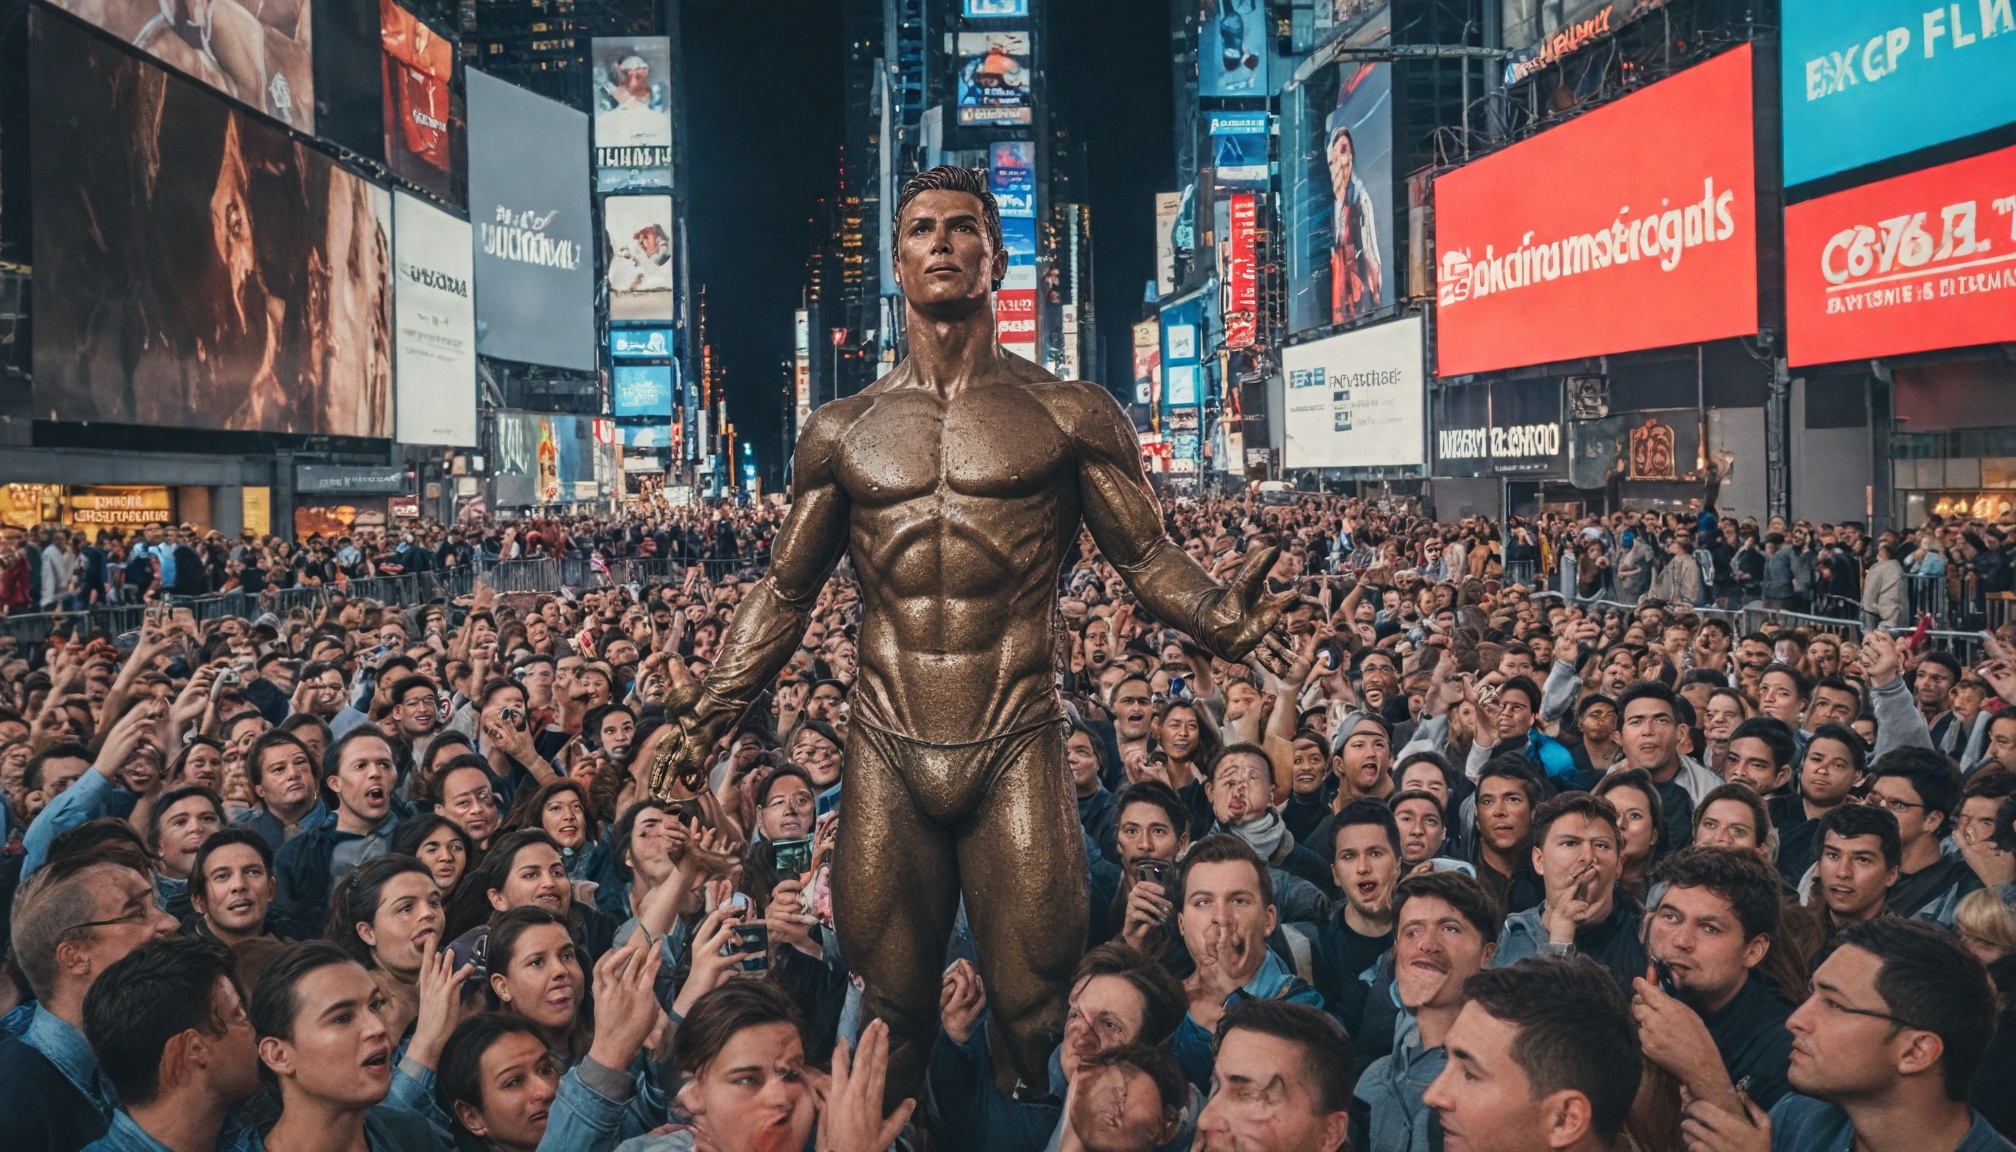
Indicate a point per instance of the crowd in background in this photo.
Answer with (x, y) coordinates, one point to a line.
(1534, 844)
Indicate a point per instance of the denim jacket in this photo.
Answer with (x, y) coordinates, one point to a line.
(1191, 1046)
(126, 1136)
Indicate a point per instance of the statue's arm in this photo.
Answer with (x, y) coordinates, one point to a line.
(1126, 522)
(773, 616)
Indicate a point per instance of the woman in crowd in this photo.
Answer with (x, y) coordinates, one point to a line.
(440, 844)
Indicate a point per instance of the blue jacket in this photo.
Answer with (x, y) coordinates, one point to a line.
(1387, 1112)
(92, 795)
(386, 1129)
(1191, 1046)
(54, 1100)
(270, 828)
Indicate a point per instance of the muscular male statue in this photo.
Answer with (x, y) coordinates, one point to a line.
(957, 482)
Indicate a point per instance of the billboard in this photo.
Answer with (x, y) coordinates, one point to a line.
(640, 343)
(1015, 320)
(1011, 177)
(543, 458)
(1242, 298)
(1542, 33)
(1232, 48)
(986, 8)
(196, 267)
(642, 389)
(1922, 261)
(257, 54)
(994, 78)
(1462, 426)
(1865, 80)
(1239, 148)
(1632, 226)
(1167, 206)
(633, 112)
(419, 66)
(1339, 193)
(528, 198)
(637, 247)
(1147, 360)
(1356, 400)
(434, 334)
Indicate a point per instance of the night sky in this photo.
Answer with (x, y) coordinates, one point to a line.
(763, 88)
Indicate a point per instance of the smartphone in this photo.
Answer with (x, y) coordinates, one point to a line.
(1160, 872)
(791, 857)
(1178, 687)
(754, 945)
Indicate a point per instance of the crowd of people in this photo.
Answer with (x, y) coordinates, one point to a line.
(1487, 867)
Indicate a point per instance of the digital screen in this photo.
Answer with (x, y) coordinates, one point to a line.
(1338, 187)
(528, 201)
(637, 233)
(1011, 177)
(633, 112)
(1239, 148)
(258, 54)
(986, 8)
(640, 343)
(643, 389)
(1922, 261)
(994, 78)
(1632, 226)
(434, 347)
(196, 267)
(1356, 400)
(419, 67)
(1541, 33)
(1232, 48)
(542, 458)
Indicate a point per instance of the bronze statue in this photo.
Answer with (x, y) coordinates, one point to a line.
(957, 483)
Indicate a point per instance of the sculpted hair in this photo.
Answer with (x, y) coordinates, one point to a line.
(948, 178)
(1575, 1032)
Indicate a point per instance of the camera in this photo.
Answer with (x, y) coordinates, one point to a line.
(229, 678)
(754, 945)
(791, 857)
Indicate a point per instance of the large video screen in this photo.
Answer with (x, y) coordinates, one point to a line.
(435, 340)
(528, 200)
(419, 67)
(633, 112)
(1633, 226)
(257, 53)
(642, 389)
(1864, 80)
(1232, 40)
(994, 78)
(1356, 400)
(1541, 33)
(542, 458)
(194, 266)
(1339, 192)
(637, 234)
(1910, 264)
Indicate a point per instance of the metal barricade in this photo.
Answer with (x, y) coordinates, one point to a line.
(1923, 594)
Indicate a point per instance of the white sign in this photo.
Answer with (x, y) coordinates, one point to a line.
(434, 345)
(1356, 400)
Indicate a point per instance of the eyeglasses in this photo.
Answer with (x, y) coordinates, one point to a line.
(1845, 1010)
(1895, 806)
(136, 915)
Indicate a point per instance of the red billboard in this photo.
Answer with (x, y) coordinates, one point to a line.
(1633, 226)
(1921, 261)
(1015, 320)
(418, 67)
(1242, 301)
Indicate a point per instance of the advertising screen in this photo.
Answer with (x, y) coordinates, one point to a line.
(1632, 226)
(637, 237)
(994, 78)
(1339, 193)
(640, 343)
(643, 389)
(1865, 80)
(1356, 400)
(1232, 48)
(1462, 426)
(1239, 148)
(1921, 261)
(1011, 177)
(633, 112)
(258, 54)
(195, 267)
(1242, 301)
(1167, 205)
(985, 8)
(1541, 33)
(434, 340)
(646, 436)
(419, 66)
(543, 458)
(528, 200)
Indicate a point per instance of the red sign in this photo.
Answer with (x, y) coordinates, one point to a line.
(1926, 260)
(1015, 316)
(1631, 227)
(418, 67)
(838, 336)
(1242, 302)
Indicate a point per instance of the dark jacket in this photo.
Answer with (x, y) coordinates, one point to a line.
(304, 868)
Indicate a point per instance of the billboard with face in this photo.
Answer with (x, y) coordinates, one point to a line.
(528, 200)
(1232, 48)
(1339, 191)
(435, 338)
(633, 112)
(637, 238)
(196, 267)
(258, 54)
(419, 66)
(994, 78)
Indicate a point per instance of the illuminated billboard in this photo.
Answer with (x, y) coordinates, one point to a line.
(1338, 189)
(1864, 80)
(637, 238)
(1011, 177)
(1910, 264)
(633, 112)
(528, 200)
(1239, 148)
(258, 54)
(640, 343)
(542, 458)
(1632, 226)
(434, 338)
(1232, 48)
(642, 389)
(1356, 400)
(418, 67)
(1542, 33)
(986, 8)
(994, 78)
(1241, 280)
(196, 267)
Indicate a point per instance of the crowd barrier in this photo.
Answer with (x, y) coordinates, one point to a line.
(1966, 646)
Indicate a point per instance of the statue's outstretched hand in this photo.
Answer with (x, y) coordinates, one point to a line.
(679, 765)
(1244, 616)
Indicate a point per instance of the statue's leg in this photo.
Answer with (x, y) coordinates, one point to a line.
(1022, 860)
(895, 896)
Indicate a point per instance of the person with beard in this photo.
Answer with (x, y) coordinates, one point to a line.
(1507, 795)
(1577, 853)
(1446, 929)
(1704, 1015)
(1351, 943)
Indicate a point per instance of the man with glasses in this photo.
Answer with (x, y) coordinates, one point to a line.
(76, 917)
(415, 716)
(1883, 1052)
(1922, 789)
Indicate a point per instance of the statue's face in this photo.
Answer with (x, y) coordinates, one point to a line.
(944, 256)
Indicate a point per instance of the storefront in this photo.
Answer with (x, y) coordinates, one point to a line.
(126, 508)
(1954, 449)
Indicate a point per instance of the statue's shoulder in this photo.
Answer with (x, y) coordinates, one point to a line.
(1078, 406)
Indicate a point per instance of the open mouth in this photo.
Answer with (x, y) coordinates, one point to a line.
(1367, 888)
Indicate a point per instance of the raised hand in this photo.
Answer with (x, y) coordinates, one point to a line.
(1244, 613)
(626, 1004)
(961, 1000)
(440, 1004)
(852, 1119)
